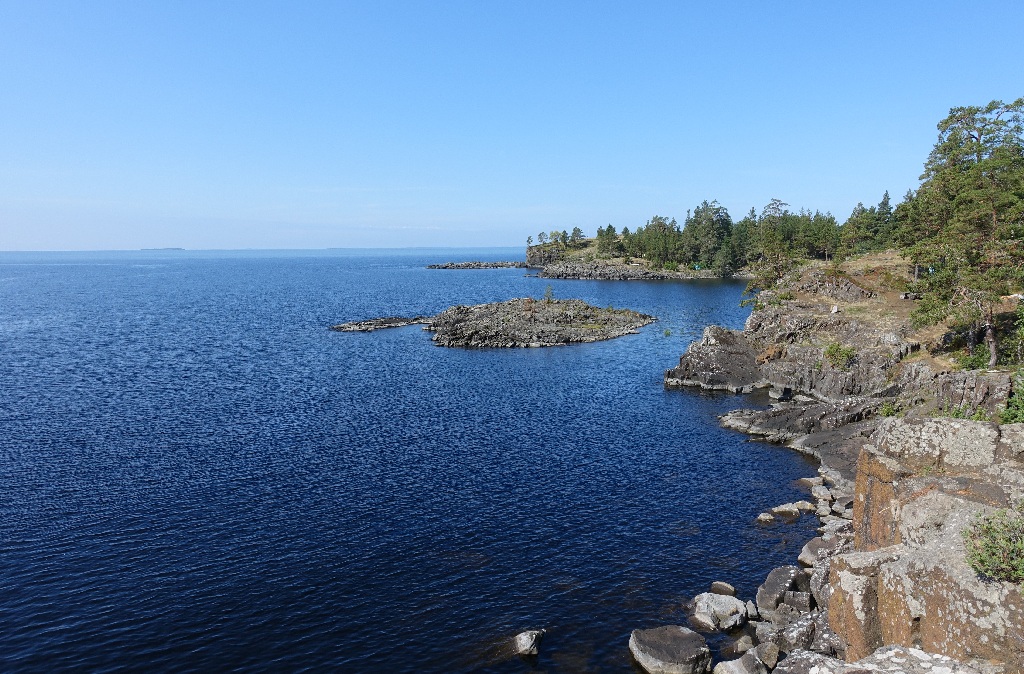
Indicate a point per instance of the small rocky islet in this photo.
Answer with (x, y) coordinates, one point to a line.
(521, 322)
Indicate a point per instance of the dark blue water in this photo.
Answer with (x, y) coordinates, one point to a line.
(196, 474)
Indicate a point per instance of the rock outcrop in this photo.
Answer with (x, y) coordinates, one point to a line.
(525, 322)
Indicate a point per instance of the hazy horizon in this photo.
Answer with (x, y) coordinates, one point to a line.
(226, 126)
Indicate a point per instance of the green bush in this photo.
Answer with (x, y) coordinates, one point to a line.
(973, 361)
(840, 356)
(995, 546)
(888, 409)
(1014, 412)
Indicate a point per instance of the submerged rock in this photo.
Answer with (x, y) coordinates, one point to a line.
(379, 324)
(528, 642)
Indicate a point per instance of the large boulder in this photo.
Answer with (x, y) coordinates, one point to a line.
(779, 581)
(670, 649)
(727, 612)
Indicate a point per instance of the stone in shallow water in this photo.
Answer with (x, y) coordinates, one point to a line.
(787, 511)
(670, 649)
(719, 587)
(528, 642)
(727, 612)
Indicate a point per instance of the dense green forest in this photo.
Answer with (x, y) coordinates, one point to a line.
(962, 229)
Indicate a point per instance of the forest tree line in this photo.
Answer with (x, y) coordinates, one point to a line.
(962, 229)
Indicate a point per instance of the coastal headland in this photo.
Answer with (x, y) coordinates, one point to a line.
(911, 456)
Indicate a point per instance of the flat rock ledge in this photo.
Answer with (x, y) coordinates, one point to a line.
(670, 649)
(380, 324)
(530, 323)
(478, 265)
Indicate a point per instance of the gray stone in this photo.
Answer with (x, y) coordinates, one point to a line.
(727, 612)
(774, 588)
(703, 622)
(826, 641)
(821, 493)
(719, 587)
(809, 553)
(786, 511)
(670, 649)
(904, 660)
(765, 518)
(766, 632)
(748, 664)
(797, 636)
(785, 615)
(528, 642)
(801, 601)
(809, 662)
(820, 588)
(804, 506)
(768, 653)
(752, 613)
(811, 482)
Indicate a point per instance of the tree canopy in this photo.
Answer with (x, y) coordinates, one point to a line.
(965, 223)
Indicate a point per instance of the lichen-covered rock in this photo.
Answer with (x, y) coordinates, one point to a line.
(670, 649)
(727, 612)
(809, 662)
(903, 660)
(780, 580)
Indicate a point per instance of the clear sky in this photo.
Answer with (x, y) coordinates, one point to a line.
(249, 124)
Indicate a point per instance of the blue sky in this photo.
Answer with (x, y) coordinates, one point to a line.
(309, 125)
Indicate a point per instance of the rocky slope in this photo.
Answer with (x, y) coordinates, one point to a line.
(887, 586)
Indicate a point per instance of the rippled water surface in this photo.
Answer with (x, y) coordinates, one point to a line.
(196, 474)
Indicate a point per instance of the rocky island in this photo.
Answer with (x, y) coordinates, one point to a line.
(522, 322)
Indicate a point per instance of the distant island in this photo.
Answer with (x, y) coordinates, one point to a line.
(522, 322)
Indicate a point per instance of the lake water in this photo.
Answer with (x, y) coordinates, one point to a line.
(196, 474)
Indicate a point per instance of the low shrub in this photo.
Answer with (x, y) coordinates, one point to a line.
(840, 356)
(1014, 412)
(995, 546)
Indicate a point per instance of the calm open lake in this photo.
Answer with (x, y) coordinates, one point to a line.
(196, 474)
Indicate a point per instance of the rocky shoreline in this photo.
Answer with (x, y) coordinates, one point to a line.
(886, 586)
(517, 323)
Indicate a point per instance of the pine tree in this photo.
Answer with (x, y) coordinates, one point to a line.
(967, 218)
